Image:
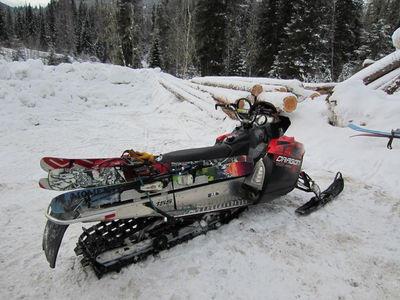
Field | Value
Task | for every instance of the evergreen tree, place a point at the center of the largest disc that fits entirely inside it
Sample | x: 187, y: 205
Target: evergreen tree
x: 4, y: 36
x: 155, y: 56
x: 303, y: 48
x: 43, y: 39
x: 393, y: 14
x: 237, y: 65
x: 51, y: 24
x: 376, y: 42
x: 210, y: 36
x: 250, y: 38
x: 346, y: 34
x: 128, y: 28
x: 268, y: 35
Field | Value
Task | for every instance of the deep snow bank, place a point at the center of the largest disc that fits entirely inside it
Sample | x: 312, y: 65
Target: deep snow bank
x: 352, y: 101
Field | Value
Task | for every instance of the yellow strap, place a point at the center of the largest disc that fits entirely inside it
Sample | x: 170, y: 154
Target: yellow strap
x: 142, y: 156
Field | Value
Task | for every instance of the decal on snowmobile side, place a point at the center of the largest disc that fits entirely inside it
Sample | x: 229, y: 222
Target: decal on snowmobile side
x: 288, y: 160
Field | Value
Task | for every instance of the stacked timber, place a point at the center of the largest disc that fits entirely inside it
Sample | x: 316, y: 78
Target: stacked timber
x: 383, y: 74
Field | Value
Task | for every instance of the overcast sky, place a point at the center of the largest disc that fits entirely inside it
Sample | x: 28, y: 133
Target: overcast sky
x: 23, y: 2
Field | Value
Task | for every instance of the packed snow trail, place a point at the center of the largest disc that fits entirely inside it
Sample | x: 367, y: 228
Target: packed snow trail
x: 350, y: 249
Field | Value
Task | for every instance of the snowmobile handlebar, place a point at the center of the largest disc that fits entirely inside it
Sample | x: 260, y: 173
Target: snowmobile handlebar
x: 247, y: 112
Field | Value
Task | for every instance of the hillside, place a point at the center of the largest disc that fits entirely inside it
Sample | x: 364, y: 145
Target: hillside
x: 350, y: 249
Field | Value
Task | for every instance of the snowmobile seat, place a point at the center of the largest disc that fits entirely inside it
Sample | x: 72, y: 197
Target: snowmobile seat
x: 205, y: 153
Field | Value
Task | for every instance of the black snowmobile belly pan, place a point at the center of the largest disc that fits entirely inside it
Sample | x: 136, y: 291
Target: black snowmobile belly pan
x: 52, y: 237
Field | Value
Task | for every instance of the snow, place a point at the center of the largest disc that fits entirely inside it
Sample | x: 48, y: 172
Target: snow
x: 377, y: 66
x: 355, y: 102
x: 396, y: 38
x: 348, y: 250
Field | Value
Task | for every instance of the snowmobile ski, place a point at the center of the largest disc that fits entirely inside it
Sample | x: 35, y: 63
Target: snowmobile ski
x: 320, y: 198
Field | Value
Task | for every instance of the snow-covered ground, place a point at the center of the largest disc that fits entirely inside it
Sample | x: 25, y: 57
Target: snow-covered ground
x: 348, y: 250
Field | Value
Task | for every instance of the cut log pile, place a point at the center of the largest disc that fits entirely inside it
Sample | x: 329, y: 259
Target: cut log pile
x: 383, y: 74
x: 203, y: 91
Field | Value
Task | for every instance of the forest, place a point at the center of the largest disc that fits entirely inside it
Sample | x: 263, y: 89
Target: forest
x: 320, y: 40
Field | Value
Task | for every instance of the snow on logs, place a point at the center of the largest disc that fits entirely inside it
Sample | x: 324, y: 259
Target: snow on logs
x: 383, y: 74
x: 235, y: 85
x: 396, y: 38
x: 284, y: 94
x: 269, y: 85
x: 284, y: 100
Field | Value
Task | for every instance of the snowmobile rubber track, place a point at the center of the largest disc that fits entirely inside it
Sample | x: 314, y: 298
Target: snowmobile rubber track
x: 111, y: 235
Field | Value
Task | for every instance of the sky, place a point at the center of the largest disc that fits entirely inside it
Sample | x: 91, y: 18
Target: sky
x: 23, y: 2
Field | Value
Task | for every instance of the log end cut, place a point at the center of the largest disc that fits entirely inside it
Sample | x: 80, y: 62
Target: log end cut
x: 289, y: 103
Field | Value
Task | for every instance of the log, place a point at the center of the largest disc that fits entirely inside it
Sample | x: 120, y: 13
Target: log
x: 292, y: 85
x: 283, y: 101
x: 378, y: 69
x: 235, y: 84
x: 322, y: 88
x: 384, y: 80
x: 182, y: 95
x: 182, y: 85
x: 367, y: 62
x: 396, y: 38
x: 220, y: 93
x: 393, y: 86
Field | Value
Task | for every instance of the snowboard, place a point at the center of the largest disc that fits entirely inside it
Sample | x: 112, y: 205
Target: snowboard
x: 75, y: 205
x: 68, y: 174
x: 52, y: 163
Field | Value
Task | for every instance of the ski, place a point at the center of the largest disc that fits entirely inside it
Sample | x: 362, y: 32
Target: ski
x: 320, y: 199
x: 395, y: 133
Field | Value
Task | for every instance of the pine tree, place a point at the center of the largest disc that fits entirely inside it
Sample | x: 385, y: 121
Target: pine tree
x: 237, y: 65
x: 3, y: 28
x: 210, y: 36
x: 43, y: 39
x: 250, y: 38
x: 51, y: 24
x: 346, y: 34
x: 303, y: 46
x: 155, y: 56
x: 375, y: 42
x: 268, y: 36
x: 128, y: 20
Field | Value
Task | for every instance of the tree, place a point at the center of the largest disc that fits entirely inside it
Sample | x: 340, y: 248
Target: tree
x: 268, y: 35
x: 303, y: 48
x: 375, y: 42
x: 4, y: 35
x: 346, y: 34
x: 128, y: 20
x: 210, y: 36
x: 155, y: 56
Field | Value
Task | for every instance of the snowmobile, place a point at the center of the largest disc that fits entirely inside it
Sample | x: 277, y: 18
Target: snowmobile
x: 185, y: 193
